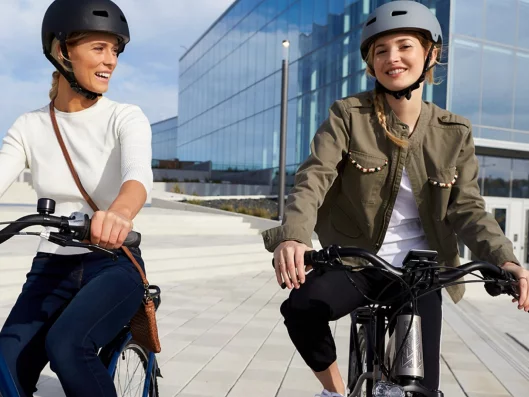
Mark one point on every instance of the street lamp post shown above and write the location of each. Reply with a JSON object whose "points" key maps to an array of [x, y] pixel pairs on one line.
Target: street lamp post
{"points": [[283, 132]]}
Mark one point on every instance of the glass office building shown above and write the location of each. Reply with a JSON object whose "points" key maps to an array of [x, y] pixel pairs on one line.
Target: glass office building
{"points": [[164, 139], [230, 80], [230, 84]]}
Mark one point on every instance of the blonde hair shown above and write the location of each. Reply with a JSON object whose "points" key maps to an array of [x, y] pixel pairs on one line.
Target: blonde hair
{"points": [[58, 56], [378, 97]]}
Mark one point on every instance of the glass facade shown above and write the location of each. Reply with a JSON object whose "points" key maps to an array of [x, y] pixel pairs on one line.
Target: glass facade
{"points": [[489, 59], [230, 80], [165, 139], [503, 177]]}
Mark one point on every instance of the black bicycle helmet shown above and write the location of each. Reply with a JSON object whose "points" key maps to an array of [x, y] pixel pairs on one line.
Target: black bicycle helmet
{"points": [[397, 16], [65, 17]]}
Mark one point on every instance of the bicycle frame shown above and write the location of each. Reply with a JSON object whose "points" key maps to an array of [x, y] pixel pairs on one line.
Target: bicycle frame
{"points": [[7, 384]]}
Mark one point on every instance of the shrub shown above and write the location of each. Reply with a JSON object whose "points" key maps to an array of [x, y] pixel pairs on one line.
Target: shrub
{"points": [[176, 189]]}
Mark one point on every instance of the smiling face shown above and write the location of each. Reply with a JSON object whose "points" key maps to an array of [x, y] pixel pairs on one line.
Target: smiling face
{"points": [[94, 58], [397, 59]]}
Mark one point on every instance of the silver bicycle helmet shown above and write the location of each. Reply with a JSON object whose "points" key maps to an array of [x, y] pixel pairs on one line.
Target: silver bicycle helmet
{"points": [[397, 16]]}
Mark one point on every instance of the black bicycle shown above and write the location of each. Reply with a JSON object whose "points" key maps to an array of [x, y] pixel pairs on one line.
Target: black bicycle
{"points": [[395, 370], [134, 369]]}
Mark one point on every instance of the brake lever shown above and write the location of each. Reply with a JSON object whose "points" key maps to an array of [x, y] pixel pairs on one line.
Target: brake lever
{"points": [[66, 241]]}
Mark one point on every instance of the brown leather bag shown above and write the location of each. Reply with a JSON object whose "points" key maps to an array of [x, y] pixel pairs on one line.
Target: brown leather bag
{"points": [[143, 325]]}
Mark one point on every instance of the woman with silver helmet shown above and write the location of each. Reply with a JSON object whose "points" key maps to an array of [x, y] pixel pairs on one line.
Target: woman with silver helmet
{"points": [[75, 301], [388, 172]]}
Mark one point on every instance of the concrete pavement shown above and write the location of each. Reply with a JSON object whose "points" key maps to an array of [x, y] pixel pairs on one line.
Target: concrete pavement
{"points": [[222, 333]]}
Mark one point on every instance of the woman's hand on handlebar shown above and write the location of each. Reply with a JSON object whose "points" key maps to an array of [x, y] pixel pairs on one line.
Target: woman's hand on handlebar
{"points": [[109, 229], [289, 264], [522, 275]]}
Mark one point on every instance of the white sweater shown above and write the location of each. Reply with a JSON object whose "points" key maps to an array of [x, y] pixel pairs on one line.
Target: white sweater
{"points": [[109, 143]]}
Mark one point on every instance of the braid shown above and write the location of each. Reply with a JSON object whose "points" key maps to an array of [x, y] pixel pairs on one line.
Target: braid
{"points": [[54, 85], [381, 115]]}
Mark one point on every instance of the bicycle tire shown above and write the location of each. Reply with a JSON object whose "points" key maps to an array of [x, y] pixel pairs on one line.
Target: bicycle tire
{"points": [[353, 364], [139, 351]]}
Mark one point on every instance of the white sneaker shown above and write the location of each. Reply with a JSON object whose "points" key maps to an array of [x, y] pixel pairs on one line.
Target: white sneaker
{"points": [[327, 393]]}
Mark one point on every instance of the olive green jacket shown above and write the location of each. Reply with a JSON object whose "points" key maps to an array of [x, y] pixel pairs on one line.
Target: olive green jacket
{"points": [[344, 205]]}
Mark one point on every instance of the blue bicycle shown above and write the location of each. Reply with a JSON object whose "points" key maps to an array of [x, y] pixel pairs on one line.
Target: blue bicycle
{"points": [[134, 369]]}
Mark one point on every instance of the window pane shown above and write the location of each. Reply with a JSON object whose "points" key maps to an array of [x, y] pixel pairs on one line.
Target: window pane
{"points": [[494, 176], [501, 21], [520, 137], [258, 147], [291, 131], [497, 103], [521, 95], [336, 18], [523, 26], [305, 40], [320, 23], [249, 143], [491, 133], [294, 16], [520, 178], [466, 102]]}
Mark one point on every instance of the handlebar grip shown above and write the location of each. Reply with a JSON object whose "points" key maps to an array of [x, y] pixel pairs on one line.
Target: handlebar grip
{"points": [[133, 240], [308, 260]]}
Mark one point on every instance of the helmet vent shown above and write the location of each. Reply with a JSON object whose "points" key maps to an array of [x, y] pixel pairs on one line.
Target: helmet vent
{"points": [[397, 13], [371, 21], [100, 13], [123, 18]]}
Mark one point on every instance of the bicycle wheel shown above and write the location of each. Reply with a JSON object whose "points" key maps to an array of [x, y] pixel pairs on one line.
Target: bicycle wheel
{"points": [[362, 342], [363, 364], [131, 372]]}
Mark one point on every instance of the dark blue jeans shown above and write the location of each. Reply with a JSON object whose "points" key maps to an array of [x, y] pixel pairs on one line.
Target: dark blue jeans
{"points": [[69, 307]]}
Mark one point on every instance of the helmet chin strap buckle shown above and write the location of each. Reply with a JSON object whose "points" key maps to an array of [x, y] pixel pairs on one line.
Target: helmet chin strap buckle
{"points": [[80, 90]]}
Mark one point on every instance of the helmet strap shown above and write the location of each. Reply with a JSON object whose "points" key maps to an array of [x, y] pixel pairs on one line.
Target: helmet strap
{"points": [[406, 92], [69, 76]]}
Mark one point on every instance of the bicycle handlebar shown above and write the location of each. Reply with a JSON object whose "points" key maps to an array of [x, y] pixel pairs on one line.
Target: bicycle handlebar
{"points": [[326, 256], [75, 227]]}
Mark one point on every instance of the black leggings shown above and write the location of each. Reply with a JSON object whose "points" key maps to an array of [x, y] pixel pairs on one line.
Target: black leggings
{"points": [[331, 295]]}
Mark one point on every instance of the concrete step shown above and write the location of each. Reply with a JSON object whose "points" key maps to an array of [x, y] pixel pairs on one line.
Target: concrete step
{"points": [[15, 268], [170, 223], [19, 192], [163, 265], [174, 256]]}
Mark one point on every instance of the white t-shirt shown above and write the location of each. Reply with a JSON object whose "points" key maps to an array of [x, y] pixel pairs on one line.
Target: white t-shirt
{"points": [[109, 144], [405, 231]]}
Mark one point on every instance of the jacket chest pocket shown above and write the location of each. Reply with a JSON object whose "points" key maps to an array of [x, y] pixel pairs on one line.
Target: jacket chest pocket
{"points": [[364, 175], [440, 185]]}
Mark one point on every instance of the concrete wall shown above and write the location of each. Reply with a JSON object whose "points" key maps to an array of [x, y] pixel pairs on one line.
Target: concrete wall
{"points": [[258, 177], [214, 189], [160, 174]]}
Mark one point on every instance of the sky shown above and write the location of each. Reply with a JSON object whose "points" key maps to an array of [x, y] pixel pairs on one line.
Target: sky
{"points": [[147, 72]]}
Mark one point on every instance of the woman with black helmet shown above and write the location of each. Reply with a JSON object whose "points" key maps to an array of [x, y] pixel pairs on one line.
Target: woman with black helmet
{"points": [[388, 172], [75, 301]]}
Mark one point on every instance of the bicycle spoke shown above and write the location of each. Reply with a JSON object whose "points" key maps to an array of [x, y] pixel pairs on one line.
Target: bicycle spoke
{"points": [[129, 381]]}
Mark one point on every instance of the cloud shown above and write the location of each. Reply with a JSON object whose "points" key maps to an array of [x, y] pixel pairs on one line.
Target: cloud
{"points": [[147, 74]]}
